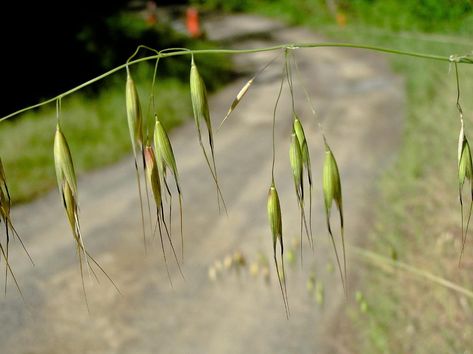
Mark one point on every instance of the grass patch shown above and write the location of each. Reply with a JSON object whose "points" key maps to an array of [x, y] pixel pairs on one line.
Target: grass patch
{"points": [[418, 214], [95, 126], [94, 121]]}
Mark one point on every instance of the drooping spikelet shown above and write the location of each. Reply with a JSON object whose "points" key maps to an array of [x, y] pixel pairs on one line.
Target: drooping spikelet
{"points": [[275, 223], [299, 130], [154, 182], [465, 165], [333, 192], [165, 152], [133, 112], [5, 217], [465, 173], [274, 215], [163, 145], [295, 158], [135, 126], [67, 184], [301, 138], [200, 108]]}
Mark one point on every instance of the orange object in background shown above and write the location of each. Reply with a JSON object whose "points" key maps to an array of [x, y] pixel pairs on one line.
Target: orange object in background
{"points": [[193, 23], [341, 19], [151, 16]]}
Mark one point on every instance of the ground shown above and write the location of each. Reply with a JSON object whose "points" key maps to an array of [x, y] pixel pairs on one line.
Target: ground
{"points": [[360, 102]]}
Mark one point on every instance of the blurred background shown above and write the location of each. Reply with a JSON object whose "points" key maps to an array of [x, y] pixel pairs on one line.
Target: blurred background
{"points": [[413, 214]]}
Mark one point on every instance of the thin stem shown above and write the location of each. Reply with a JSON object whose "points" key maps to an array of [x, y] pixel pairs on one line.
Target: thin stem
{"points": [[459, 59], [58, 109], [459, 107], [155, 73], [289, 82], [307, 95], [138, 49], [274, 122]]}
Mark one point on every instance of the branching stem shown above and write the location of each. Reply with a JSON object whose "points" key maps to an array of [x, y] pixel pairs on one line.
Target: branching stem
{"points": [[292, 46]]}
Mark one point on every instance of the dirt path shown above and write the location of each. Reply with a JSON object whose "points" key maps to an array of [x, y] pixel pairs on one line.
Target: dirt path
{"points": [[361, 103]]}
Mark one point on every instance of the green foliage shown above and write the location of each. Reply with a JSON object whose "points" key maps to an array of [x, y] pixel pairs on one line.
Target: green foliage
{"points": [[222, 5], [413, 15], [396, 15]]}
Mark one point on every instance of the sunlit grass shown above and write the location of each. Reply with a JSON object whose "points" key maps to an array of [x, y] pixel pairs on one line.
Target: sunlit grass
{"points": [[418, 214], [95, 127]]}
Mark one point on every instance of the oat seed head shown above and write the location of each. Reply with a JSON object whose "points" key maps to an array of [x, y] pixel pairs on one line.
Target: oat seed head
{"points": [[274, 214], [331, 181], [295, 157], [164, 150], [133, 110], [63, 162], [199, 100]]}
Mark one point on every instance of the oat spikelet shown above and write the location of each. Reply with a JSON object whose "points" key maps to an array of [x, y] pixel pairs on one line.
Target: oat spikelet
{"points": [[295, 158], [135, 126], [465, 172], [200, 108], [133, 110], [275, 223], [245, 89], [154, 183], [299, 130], [237, 99], [67, 184], [5, 217], [164, 150], [333, 192], [5, 207]]}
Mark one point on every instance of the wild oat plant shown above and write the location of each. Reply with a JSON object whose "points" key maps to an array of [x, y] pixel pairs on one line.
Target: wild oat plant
{"points": [[154, 161]]}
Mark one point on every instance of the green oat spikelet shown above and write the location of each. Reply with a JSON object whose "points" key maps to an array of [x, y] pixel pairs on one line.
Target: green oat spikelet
{"points": [[200, 108], [275, 223], [5, 217], [135, 126], [163, 145], [299, 130], [134, 117], [67, 184], [295, 158], [332, 190], [465, 172], [163, 148], [154, 182]]}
